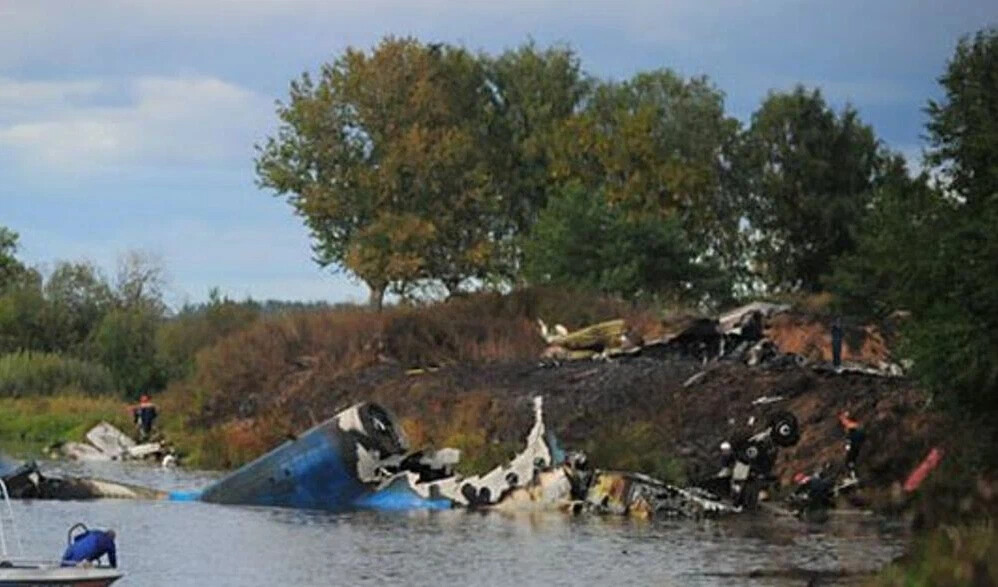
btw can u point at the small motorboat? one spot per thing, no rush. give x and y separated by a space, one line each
25 572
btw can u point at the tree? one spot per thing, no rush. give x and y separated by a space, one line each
537 91
931 251
78 297
12 270
660 146
125 342
140 281
581 240
387 159
809 177
892 240
953 296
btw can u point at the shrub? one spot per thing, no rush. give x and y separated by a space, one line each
28 374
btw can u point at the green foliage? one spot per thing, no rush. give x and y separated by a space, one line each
179 339
537 90
952 555
125 341
13 272
387 159
27 374
28 424
660 146
582 241
963 128
809 173
932 251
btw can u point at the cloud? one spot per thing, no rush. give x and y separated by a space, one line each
86 125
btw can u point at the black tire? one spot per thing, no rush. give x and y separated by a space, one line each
748 452
784 430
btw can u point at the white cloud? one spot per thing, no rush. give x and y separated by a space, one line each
164 120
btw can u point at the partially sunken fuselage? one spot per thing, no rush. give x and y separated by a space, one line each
328 467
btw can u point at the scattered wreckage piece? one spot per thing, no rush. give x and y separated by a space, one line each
599 341
750 471
108 443
28 482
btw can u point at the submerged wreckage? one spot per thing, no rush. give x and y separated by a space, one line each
360 459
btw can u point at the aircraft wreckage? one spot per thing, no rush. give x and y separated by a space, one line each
360 459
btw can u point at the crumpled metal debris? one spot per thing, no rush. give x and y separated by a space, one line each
108 443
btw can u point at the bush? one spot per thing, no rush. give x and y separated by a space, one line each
29 374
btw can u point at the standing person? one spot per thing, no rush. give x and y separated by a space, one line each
837 342
90 547
854 440
144 415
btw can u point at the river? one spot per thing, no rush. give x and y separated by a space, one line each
176 543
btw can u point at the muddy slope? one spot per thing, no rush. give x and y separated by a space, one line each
631 413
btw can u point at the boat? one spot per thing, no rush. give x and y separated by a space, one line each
26 572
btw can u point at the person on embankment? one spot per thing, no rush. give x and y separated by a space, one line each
855 436
144 415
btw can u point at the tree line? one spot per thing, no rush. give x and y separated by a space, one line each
77 330
425 167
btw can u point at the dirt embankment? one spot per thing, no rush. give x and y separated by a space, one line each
477 369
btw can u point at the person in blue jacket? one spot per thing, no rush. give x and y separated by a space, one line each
90 546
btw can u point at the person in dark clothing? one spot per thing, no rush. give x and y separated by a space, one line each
144 415
837 343
90 547
855 436
813 496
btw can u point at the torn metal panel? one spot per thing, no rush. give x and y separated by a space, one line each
642 496
109 440
733 321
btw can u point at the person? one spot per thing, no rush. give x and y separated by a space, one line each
813 492
854 440
727 460
90 547
144 415
837 342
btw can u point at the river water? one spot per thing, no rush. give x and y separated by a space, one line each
176 543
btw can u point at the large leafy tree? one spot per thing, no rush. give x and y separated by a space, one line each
581 240
537 91
809 175
660 146
386 156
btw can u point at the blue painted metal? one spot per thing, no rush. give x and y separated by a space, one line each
398 495
309 472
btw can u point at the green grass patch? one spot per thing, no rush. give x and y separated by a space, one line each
29 424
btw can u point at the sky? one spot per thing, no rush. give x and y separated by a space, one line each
131 124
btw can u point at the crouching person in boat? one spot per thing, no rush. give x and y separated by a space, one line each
89 547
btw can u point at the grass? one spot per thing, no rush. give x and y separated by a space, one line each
28 374
949 555
29 424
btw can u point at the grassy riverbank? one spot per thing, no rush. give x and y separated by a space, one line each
28 425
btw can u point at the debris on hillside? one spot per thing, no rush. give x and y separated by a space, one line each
757 334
